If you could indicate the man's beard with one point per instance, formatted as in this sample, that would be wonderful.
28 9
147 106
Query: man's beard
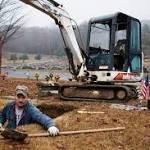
21 105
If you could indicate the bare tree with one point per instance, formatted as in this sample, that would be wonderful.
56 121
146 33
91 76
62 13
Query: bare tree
10 22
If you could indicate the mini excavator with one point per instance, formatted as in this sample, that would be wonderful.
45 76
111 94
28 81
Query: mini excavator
111 66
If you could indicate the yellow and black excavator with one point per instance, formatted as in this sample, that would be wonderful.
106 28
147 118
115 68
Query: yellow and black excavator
111 66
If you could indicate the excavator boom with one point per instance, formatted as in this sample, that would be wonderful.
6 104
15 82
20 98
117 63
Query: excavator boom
57 12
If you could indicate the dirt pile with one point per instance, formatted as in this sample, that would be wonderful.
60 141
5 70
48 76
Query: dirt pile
7 87
135 136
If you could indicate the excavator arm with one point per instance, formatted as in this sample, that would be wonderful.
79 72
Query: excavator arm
63 20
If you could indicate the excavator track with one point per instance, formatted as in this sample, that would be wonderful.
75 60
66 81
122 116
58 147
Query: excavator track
95 92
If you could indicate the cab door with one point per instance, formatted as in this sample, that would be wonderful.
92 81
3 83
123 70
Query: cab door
135 53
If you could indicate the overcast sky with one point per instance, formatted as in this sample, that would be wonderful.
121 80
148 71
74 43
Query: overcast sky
82 10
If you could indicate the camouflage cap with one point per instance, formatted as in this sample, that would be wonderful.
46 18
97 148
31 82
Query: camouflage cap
21 89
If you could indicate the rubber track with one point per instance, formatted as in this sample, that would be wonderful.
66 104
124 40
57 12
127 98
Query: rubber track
90 87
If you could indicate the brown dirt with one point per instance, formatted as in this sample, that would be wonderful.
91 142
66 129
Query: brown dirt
135 136
7 87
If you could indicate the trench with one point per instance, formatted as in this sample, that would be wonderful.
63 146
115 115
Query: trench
55 110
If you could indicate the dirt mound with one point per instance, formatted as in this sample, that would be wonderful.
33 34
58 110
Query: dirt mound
7 86
135 136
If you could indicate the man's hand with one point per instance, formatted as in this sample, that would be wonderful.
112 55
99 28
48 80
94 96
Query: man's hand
53 131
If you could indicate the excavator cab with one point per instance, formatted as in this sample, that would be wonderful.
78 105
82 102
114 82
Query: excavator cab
114 44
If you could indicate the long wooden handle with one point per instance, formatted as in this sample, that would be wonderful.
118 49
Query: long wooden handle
78 132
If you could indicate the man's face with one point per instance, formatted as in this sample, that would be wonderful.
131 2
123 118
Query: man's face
21 100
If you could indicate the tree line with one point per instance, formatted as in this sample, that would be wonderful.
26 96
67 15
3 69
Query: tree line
49 41
146 37
13 57
37 40
42 40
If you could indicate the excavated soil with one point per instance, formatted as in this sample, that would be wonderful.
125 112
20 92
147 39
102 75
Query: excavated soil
135 136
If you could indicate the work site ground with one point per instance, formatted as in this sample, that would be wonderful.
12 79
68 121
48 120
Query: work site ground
75 116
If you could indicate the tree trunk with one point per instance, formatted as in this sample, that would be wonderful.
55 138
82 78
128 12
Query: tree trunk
1 48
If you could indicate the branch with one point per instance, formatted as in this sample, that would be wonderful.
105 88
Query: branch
9 23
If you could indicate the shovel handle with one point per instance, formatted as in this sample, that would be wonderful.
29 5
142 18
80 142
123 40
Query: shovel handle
78 132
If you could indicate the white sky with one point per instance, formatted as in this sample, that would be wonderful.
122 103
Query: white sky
81 10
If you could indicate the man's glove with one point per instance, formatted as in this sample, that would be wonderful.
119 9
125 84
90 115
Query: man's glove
53 131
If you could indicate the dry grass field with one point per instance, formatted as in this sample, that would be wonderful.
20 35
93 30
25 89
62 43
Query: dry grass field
136 135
